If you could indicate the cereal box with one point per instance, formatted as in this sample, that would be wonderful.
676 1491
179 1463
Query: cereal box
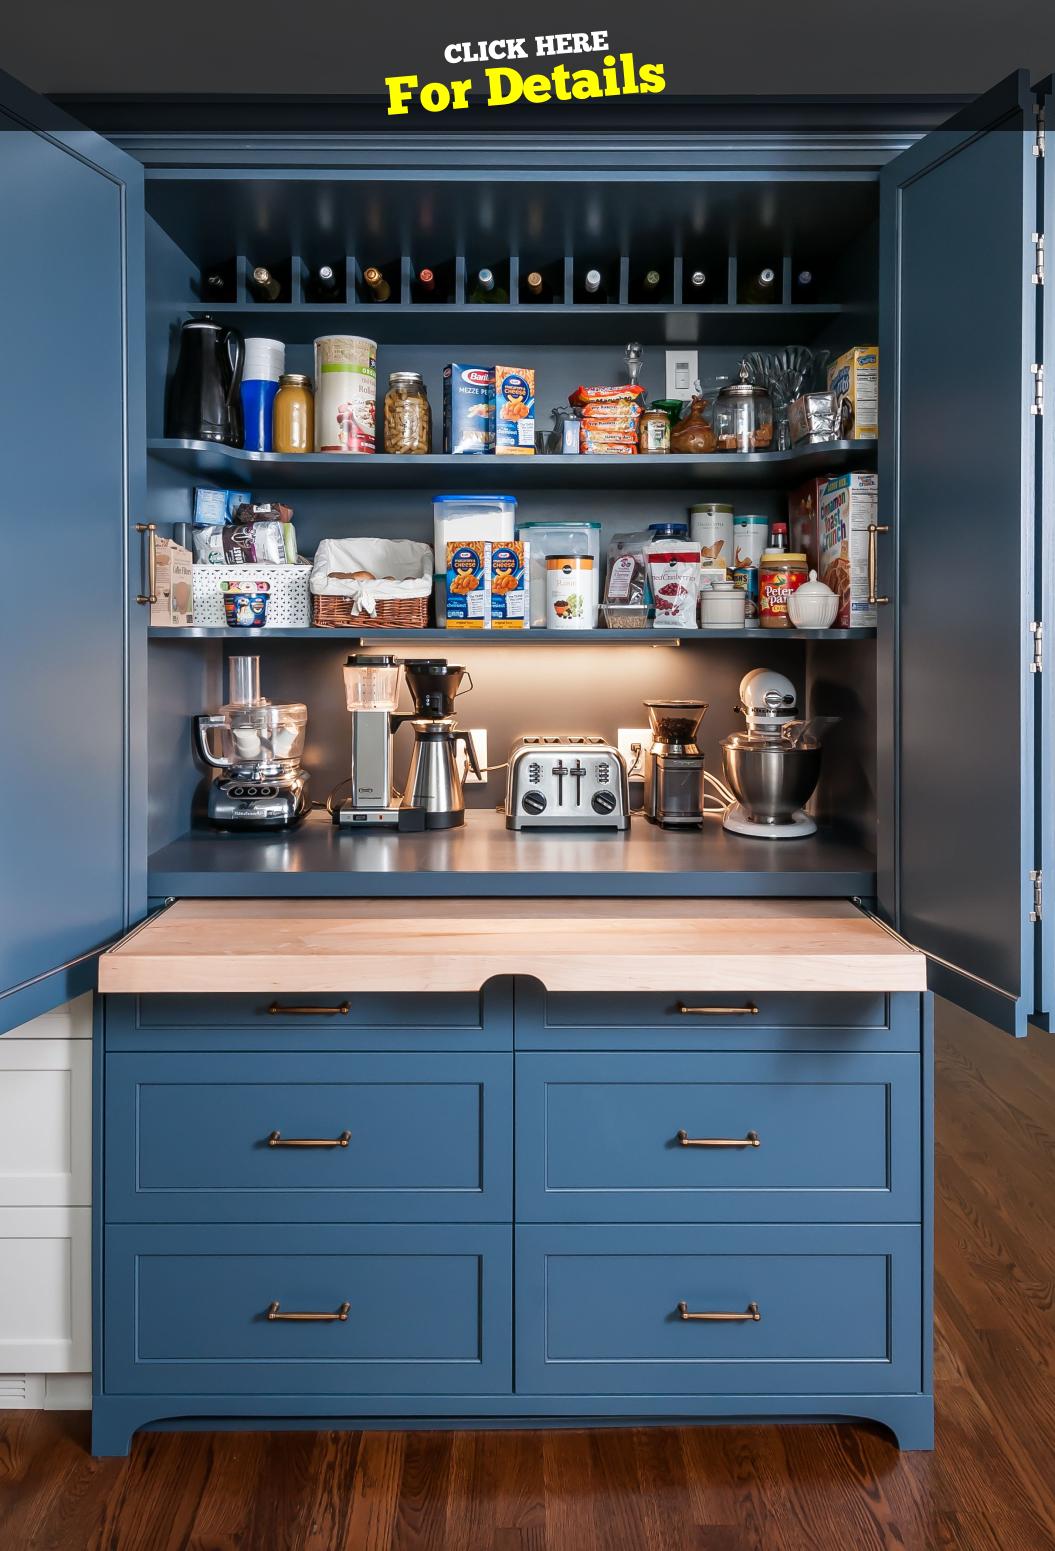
847 506
468 589
854 379
804 506
515 411
509 586
468 408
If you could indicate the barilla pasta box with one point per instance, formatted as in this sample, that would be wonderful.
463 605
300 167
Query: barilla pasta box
854 379
468 408
514 411
468 589
847 505
509 586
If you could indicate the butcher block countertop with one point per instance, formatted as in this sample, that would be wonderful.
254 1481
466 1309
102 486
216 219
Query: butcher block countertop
426 945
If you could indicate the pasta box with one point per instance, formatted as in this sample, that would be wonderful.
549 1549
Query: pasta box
468 408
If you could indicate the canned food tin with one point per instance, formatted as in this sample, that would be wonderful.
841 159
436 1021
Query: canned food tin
345 393
750 534
711 526
746 578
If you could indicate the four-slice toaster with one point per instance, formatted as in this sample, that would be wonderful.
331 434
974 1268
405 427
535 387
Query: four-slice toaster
562 782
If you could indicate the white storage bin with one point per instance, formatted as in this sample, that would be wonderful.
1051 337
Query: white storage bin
560 538
456 519
289 604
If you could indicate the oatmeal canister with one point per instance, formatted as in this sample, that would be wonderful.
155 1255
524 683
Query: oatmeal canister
779 576
345 393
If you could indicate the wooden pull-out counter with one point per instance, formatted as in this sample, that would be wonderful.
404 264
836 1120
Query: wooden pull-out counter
432 945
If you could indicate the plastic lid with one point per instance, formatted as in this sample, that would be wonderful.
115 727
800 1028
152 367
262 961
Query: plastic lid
439 499
571 522
368 660
783 556
669 530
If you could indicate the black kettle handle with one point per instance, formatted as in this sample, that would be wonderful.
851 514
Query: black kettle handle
236 355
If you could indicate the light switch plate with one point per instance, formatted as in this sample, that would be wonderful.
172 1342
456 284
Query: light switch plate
683 371
632 743
479 737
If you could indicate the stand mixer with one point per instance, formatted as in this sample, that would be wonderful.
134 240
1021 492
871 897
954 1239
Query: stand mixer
263 785
774 766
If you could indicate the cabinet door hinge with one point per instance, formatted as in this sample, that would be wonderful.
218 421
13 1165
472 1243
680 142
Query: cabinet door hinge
1037 406
1037 880
1038 270
1036 630
1038 143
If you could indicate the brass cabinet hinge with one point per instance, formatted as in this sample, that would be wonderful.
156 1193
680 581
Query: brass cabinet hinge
1037 406
1038 269
1037 879
1036 630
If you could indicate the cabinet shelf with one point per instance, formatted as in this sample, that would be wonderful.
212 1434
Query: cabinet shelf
484 859
463 639
387 471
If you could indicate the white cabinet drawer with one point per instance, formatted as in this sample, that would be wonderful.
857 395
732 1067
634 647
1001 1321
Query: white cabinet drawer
45 1122
45 1289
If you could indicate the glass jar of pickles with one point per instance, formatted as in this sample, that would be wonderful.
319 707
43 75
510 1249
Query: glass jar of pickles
293 415
408 417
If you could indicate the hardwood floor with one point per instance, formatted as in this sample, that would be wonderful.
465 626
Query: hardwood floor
989 1485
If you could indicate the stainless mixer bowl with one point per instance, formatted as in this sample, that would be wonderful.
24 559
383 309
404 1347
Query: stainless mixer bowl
771 779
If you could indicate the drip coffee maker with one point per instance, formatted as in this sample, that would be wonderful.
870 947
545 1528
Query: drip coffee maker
262 785
673 766
372 685
434 781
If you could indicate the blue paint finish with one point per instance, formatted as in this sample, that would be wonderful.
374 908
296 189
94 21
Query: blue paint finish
1045 682
597 1138
186 1309
70 869
956 631
187 1138
597 1309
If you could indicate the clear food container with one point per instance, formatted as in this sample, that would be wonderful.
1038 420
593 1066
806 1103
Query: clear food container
743 416
560 538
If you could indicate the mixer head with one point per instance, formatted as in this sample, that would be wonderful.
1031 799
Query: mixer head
767 700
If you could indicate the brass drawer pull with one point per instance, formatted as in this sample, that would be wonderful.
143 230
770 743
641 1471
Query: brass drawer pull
752 1139
310 1012
150 548
320 1319
874 529
749 1011
276 1139
749 1314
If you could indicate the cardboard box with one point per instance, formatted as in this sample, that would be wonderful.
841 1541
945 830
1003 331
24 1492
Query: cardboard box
468 409
847 505
468 585
854 379
174 584
515 411
507 569
804 505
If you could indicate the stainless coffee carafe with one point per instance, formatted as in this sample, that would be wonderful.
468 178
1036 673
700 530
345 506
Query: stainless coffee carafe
434 780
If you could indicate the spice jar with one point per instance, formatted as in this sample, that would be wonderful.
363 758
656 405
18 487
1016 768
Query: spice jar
653 431
408 418
743 416
779 575
293 415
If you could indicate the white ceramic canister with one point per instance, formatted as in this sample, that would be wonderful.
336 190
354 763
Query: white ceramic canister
711 527
750 539
722 606
345 393
569 592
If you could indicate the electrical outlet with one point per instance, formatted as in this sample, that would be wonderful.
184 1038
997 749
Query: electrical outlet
632 743
479 737
683 371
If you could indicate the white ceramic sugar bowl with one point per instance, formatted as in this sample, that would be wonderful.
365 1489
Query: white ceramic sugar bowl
722 606
812 606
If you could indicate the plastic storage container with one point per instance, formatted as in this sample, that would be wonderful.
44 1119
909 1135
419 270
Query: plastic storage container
460 519
560 539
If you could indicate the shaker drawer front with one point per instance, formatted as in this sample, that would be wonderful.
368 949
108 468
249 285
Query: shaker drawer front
712 1137
391 1138
203 1310
601 1310
727 1020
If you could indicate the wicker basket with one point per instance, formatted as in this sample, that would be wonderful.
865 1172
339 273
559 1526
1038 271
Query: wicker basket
392 614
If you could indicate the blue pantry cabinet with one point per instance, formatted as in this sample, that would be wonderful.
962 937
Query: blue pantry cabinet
520 1202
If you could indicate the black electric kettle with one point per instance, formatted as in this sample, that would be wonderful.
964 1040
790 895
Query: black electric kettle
204 402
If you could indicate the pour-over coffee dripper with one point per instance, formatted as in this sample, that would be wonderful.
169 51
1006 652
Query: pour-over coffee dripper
434 685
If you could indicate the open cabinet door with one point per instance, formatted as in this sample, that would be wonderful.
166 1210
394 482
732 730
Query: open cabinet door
958 472
71 299
1045 274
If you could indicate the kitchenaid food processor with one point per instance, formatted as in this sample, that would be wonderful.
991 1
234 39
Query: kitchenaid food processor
262 785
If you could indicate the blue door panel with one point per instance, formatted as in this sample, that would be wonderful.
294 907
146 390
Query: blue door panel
70 271
1045 681
430 1310
425 1138
957 487
599 1310
824 1138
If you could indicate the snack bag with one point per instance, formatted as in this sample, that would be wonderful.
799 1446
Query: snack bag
514 410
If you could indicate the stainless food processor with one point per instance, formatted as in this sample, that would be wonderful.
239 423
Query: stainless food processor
774 766
262 785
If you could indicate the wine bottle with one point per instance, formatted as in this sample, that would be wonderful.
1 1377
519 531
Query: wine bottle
377 285
535 288
761 288
593 285
322 284
650 286
485 289
263 285
697 285
803 289
213 284
425 281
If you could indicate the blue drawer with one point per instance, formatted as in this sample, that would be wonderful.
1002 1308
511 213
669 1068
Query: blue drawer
825 1138
429 1310
598 1310
427 1138
709 1020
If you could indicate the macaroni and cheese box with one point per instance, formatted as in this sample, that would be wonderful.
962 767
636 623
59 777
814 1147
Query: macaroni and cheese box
847 506
509 586
468 408
515 411
854 379
468 585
